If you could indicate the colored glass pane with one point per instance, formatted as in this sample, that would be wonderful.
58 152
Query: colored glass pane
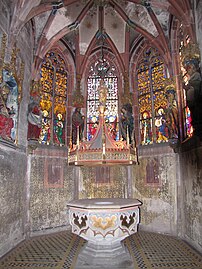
152 99
53 100
96 71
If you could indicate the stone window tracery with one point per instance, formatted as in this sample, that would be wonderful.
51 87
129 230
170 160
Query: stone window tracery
98 70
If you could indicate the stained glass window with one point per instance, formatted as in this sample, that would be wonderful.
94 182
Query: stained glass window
50 110
97 70
152 99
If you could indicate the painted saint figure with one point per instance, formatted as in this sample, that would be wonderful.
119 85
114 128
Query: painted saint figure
44 137
160 123
58 130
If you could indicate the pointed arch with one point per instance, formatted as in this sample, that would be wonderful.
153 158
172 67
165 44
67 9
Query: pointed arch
112 48
157 107
48 108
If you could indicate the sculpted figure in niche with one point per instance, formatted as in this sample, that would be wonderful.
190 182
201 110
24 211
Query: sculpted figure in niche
34 113
8 107
34 121
172 115
194 94
77 125
6 123
126 123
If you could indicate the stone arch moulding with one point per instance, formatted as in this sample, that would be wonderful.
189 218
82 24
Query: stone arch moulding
110 47
108 55
60 48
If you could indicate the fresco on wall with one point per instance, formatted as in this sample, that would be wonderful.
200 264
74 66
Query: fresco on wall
8 107
152 171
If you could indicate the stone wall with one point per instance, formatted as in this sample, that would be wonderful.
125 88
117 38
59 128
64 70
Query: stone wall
154 183
198 20
190 195
12 197
5 15
102 182
13 159
51 187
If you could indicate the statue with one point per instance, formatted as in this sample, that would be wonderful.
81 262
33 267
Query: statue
77 125
6 122
194 94
34 121
8 106
126 123
172 115
34 115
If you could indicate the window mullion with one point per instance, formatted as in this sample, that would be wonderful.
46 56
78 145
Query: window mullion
152 105
53 106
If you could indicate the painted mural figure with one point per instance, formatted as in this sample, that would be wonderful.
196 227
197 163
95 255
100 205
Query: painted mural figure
126 123
77 124
8 107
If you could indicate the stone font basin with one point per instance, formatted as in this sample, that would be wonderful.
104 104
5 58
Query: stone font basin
104 223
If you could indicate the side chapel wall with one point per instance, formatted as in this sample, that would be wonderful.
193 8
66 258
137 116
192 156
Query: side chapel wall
13 160
154 182
52 185
190 185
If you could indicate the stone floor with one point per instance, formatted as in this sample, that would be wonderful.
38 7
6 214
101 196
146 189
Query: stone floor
60 251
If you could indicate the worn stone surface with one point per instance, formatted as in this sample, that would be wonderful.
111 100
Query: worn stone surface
12 198
190 209
5 14
97 182
13 159
49 192
154 183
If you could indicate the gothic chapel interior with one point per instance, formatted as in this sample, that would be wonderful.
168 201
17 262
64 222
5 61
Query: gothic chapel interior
54 55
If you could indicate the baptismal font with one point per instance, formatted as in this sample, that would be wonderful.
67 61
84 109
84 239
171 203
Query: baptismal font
105 222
